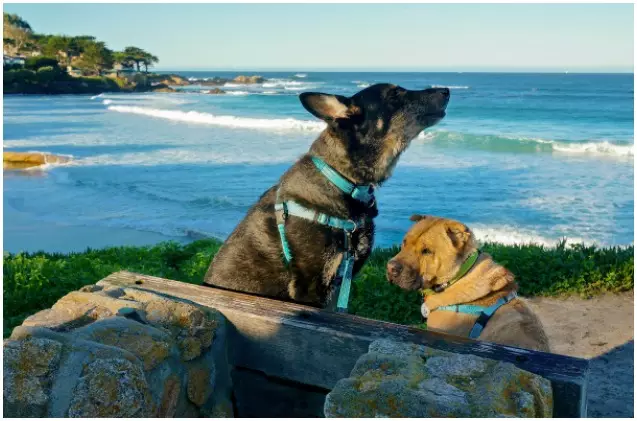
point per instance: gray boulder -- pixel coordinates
(408, 380)
(118, 352)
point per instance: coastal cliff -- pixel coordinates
(49, 80)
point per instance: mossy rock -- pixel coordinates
(407, 380)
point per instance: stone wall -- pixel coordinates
(125, 352)
(118, 352)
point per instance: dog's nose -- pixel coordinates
(393, 269)
(443, 101)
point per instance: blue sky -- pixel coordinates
(420, 37)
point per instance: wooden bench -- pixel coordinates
(317, 348)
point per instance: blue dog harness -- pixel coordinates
(363, 194)
(484, 313)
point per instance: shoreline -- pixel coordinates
(140, 83)
(28, 233)
(21, 232)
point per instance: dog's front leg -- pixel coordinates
(363, 248)
(329, 275)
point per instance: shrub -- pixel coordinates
(46, 75)
(34, 63)
(12, 66)
(121, 82)
(20, 76)
(35, 281)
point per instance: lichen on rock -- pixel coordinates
(408, 380)
(107, 351)
(149, 344)
(198, 385)
(27, 366)
(111, 388)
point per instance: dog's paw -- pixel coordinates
(424, 310)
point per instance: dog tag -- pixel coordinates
(424, 310)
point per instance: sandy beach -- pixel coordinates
(600, 329)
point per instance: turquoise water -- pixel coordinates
(519, 158)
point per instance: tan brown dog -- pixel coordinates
(441, 255)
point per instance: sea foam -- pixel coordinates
(515, 235)
(520, 144)
(450, 86)
(221, 120)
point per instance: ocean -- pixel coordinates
(519, 158)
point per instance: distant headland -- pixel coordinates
(45, 64)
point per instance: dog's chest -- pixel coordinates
(451, 322)
(364, 243)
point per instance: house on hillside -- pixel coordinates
(72, 71)
(120, 71)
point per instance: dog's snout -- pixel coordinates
(445, 92)
(436, 98)
(394, 268)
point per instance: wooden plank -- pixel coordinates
(318, 348)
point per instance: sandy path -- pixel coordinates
(600, 329)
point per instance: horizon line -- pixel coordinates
(389, 70)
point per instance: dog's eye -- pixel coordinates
(426, 251)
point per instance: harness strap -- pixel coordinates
(282, 210)
(281, 213)
(344, 272)
(484, 313)
(295, 209)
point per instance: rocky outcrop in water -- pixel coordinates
(248, 79)
(175, 80)
(162, 88)
(22, 160)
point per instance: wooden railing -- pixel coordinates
(317, 348)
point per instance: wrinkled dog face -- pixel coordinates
(431, 253)
(379, 122)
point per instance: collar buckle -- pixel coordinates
(280, 212)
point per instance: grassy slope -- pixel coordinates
(33, 282)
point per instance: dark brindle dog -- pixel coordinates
(364, 138)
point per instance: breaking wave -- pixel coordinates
(516, 235)
(496, 143)
(223, 120)
(450, 86)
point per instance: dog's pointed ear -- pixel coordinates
(459, 234)
(416, 217)
(327, 107)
